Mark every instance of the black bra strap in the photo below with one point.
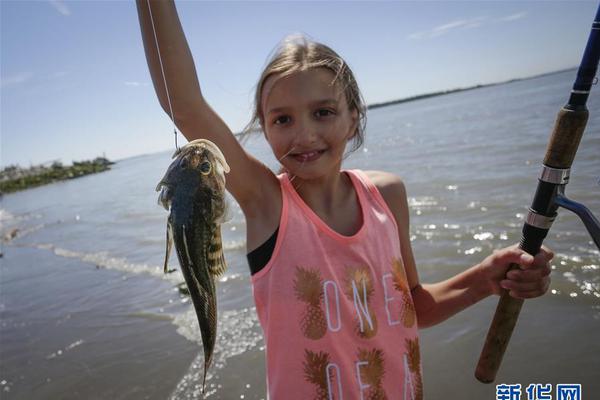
(260, 256)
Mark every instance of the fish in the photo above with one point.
(193, 191)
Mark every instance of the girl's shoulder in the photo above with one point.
(392, 189)
(389, 185)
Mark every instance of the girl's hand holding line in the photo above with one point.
(530, 280)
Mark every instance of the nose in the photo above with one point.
(306, 133)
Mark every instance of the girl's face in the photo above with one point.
(307, 122)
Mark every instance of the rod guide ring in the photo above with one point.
(559, 176)
(539, 220)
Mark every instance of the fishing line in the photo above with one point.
(162, 70)
(294, 177)
(286, 154)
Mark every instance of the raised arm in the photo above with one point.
(249, 180)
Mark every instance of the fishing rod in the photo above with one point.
(549, 196)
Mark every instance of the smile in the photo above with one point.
(308, 156)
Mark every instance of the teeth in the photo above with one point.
(307, 155)
(304, 156)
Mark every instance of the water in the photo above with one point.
(86, 312)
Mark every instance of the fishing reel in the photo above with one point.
(550, 195)
(589, 220)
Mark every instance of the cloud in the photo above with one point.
(513, 17)
(133, 83)
(448, 27)
(17, 79)
(26, 76)
(60, 6)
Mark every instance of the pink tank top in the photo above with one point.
(336, 311)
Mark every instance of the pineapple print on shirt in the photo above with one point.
(414, 366)
(401, 285)
(372, 369)
(308, 289)
(316, 372)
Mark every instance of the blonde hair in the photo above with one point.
(298, 53)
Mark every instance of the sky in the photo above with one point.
(75, 84)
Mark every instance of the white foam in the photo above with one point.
(104, 260)
(235, 245)
(6, 217)
(423, 201)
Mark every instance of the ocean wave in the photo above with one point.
(14, 233)
(10, 225)
(422, 202)
(235, 245)
(103, 259)
(7, 217)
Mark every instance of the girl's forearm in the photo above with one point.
(437, 302)
(177, 61)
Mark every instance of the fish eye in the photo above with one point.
(205, 168)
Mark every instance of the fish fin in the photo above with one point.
(169, 246)
(164, 197)
(227, 214)
(215, 256)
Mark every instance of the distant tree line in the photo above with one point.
(14, 178)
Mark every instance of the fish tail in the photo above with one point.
(202, 290)
(206, 365)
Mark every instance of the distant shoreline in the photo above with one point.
(450, 91)
(14, 178)
(373, 106)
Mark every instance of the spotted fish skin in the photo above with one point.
(193, 190)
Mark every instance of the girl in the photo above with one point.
(333, 274)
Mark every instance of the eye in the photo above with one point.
(281, 120)
(324, 112)
(205, 168)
